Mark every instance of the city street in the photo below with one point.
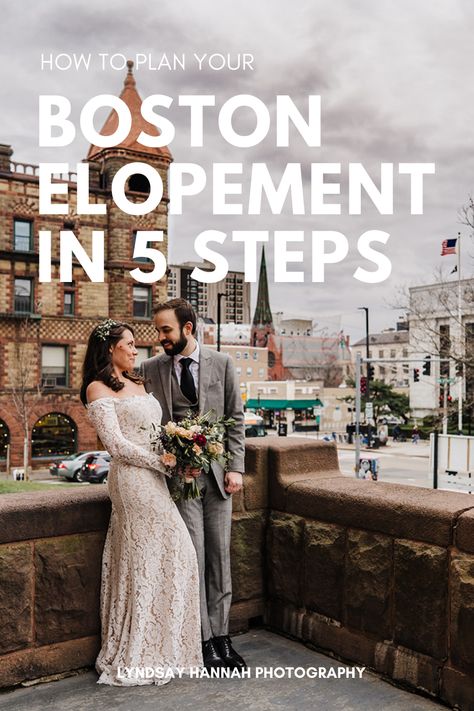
(399, 463)
(407, 465)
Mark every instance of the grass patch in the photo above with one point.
(19, 487)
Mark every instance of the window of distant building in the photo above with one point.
(54, 371)
(380, 354)
(393, 353)
(444, 349)
(237, 355)
(261, 372)
(246, 355)
(142, 301)
(145, 260)
(139, 183)
(249, 371)
(23, 235)
(54, 434)
(405, 353)
(238, 371)
(255, 355)
(69, 299)
(23, 296)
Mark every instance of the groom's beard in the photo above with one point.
(174, 348)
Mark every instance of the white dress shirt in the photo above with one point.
(194, 366)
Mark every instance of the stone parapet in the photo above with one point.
(376, 574)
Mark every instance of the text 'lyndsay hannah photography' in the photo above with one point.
(268, 673)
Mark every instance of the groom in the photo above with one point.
(191, 377)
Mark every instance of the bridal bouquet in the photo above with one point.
(192, 443)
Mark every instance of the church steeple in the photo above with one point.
(262, 324)
(132, 99)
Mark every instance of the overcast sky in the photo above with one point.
(395, 86)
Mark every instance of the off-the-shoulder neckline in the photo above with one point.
(113, 397)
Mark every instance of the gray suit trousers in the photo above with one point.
(209, 522)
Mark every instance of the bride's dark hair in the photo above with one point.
(98, 359)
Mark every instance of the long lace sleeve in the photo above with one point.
(104, 418)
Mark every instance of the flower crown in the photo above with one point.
(103, 330)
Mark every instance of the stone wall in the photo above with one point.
(50, 559)
(379, 574)
(373, 573)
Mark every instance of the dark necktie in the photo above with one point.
(187, 381)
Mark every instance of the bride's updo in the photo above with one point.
(98, 359)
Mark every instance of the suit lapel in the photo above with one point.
(165, 371)
(205, 370)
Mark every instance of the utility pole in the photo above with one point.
(462, 342)
(357, 408)
(367, 355)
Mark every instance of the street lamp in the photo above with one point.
(220, 296)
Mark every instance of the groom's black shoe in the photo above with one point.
(211, 657)
(231, 659)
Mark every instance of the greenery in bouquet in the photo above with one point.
(193, 443)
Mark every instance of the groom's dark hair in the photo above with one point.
(183, 310)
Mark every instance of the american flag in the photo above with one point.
(448, 246)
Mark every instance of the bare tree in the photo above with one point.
(466, 214)
(25, 393)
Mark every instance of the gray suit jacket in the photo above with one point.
(218, 390)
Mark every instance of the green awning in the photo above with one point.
(265, 404)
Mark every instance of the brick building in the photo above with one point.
(44, 327)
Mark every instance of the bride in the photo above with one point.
(150, 581)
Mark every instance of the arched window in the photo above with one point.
(54, 434)
(139, 183)
(4, 439)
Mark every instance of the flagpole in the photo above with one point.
(461, 338)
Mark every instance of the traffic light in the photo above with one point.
(371, 372)
(416, 375)
(449, 400)
(363, 385)
(427, 366)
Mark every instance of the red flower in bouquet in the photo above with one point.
(200, 440)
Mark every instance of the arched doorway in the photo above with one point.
(4, 439)
(53, 435)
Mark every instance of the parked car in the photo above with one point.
(69, 467)
(96, 468)
(254, 425)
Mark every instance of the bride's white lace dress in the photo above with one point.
(150, 582)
